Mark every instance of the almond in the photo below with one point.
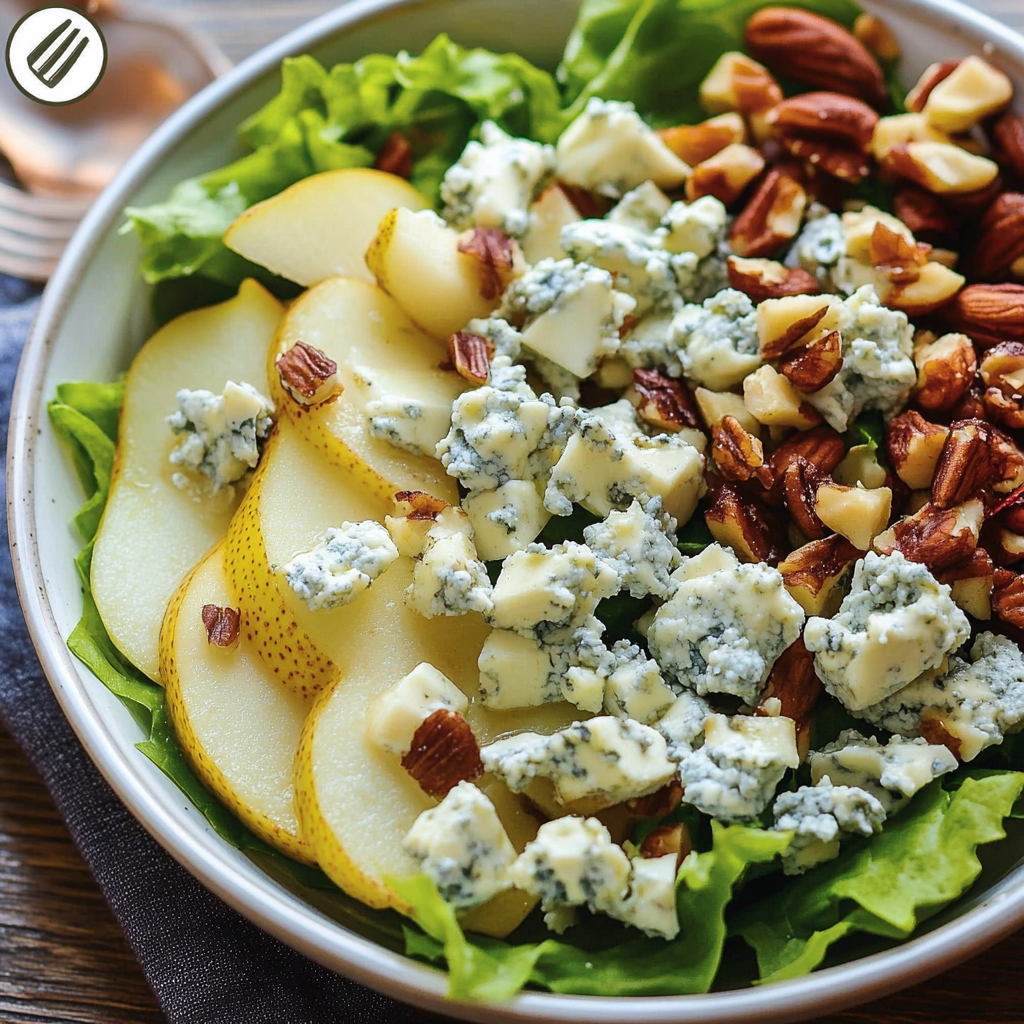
(914, 446)
(926, 215)
(694, 144)
(744, 524)
(930, 77)
(221, 625)
(771, 218)
(936, 537)
(793, 682)
(444, 752)
(945, 370)
(738, 455)
(308, 375)
(395, 156)
(815, 50)
(988, 313)
(826, 117)
(664, 401)
(813, 365)
(659, 804)
(975, 457)
(725, 175)
(768, 279)
(496, 253)
(1000, 239)
(418, 505)
(470, 354)
(666, 839)
(1008, 139)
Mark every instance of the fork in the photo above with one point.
(34, 231)
(59, 73)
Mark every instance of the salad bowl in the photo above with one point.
(94, 314)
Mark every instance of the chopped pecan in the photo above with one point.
(813, 365)
(470, 355)
(666, 839)
(659, 804)
(934, 286)
(496, 253)
(813, 574)
(971, 406)
(395, 156)
(725, 175)
(1008, 137)
(941, 167)
(738, 455)
(894, 256)
(822, 447)
(976, 456)
(936, 537)
(694, 144)
(914, 446)
(589, 205)
(744, 524)
(771, 218)
(933, 729)
(988, 313)
(815, 50)
(736, 82)
(793, 682)
(826, 117)
(930, 77)
(1002, 371)
(444, 752)
(222, 625)
(800, 484)
(1000, 240)
(767, 279)
(419, 505)
(945, 371)
(664, 401)
(781, 323)
(307, 374)
(926, 215)
(842, 162)
(975, 90)
(1008, 596)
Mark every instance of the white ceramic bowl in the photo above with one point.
(93, 318)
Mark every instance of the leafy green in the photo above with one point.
(480, 967)
(921, 861)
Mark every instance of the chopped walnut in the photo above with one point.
(470, 354)
(738, 454)
(222, 625)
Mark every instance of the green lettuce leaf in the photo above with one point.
(922, 861)
(488, 968)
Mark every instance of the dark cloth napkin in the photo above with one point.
(206, 964)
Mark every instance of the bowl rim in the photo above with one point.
(254, 894)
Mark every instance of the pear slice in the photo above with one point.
(153, 532)
(321, 226)
(238, 728)
(379, 350)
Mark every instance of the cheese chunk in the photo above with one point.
(506, 519)
(449, 578)
(651, 903)
(682, 724)
(393, 718)
(718, 340)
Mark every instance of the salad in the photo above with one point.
(581, 513)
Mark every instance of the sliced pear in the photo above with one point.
(321, 226)
(373, 342)
(237, 726)
(153, 532)
(415, 258)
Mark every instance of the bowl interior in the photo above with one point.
(93, 319)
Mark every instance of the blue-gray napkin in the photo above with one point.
(206, 963)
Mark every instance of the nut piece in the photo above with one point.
(971, 584)
(855, 513)
(930, 77)
(773, 401)
(813, 365)
(444, 752)
(976, 456)
(1007, 546)
(941, 168)
(726, 174)
(826, 117)
(418, 505)
(470, 354)
(877, 37)
(814, 574)
(771, 218)
(822, 447)
(815, 50)
(767, 279)
(658, 804)
(695, 143)
(933, 287)
(307, 374)
(666, 839)
(945, 370)
(934, 730)
(744, 524)
(714, 406)
(799, 487)
(936, 537)
(395, 156)
(1008, 597)
(221, 625)
(914, 446)
(1001, 238)
(497, 253)
(842, 162)
(1002, 371)
(891, 253)
(738, 83)
(924, 214)
(663, 401)
(989, 313)
(738, 454)
(899, 129)
(971, 92)
(784, 322)
(1008, 139)
(793, 683)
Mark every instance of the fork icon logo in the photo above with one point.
(56, 55)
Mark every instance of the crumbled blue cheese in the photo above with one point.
(652, 344)
(896, 623)
(723, 632)
(640, 545)
(221, 434)
(977, 701)
(572, 863)
(718, 340)
(519, 672)
(820, 817)
(501, 435)
(634, 687)
(560, 382)
(892, 772)
(463, 847)
(506, 519)
(393, 718)
(641, 209)
(344, 564)
(546, 593)
(734, 774)
(608, 149)
(609, 461)
(878, 370)
(698, 227)
(651, 903)
(449, 578)
(683, 724)
(406, 424)
(568, 312)
(506, 339)
(820, 245)
(605, 760)
(494, 181)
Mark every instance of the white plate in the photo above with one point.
(92, 320)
